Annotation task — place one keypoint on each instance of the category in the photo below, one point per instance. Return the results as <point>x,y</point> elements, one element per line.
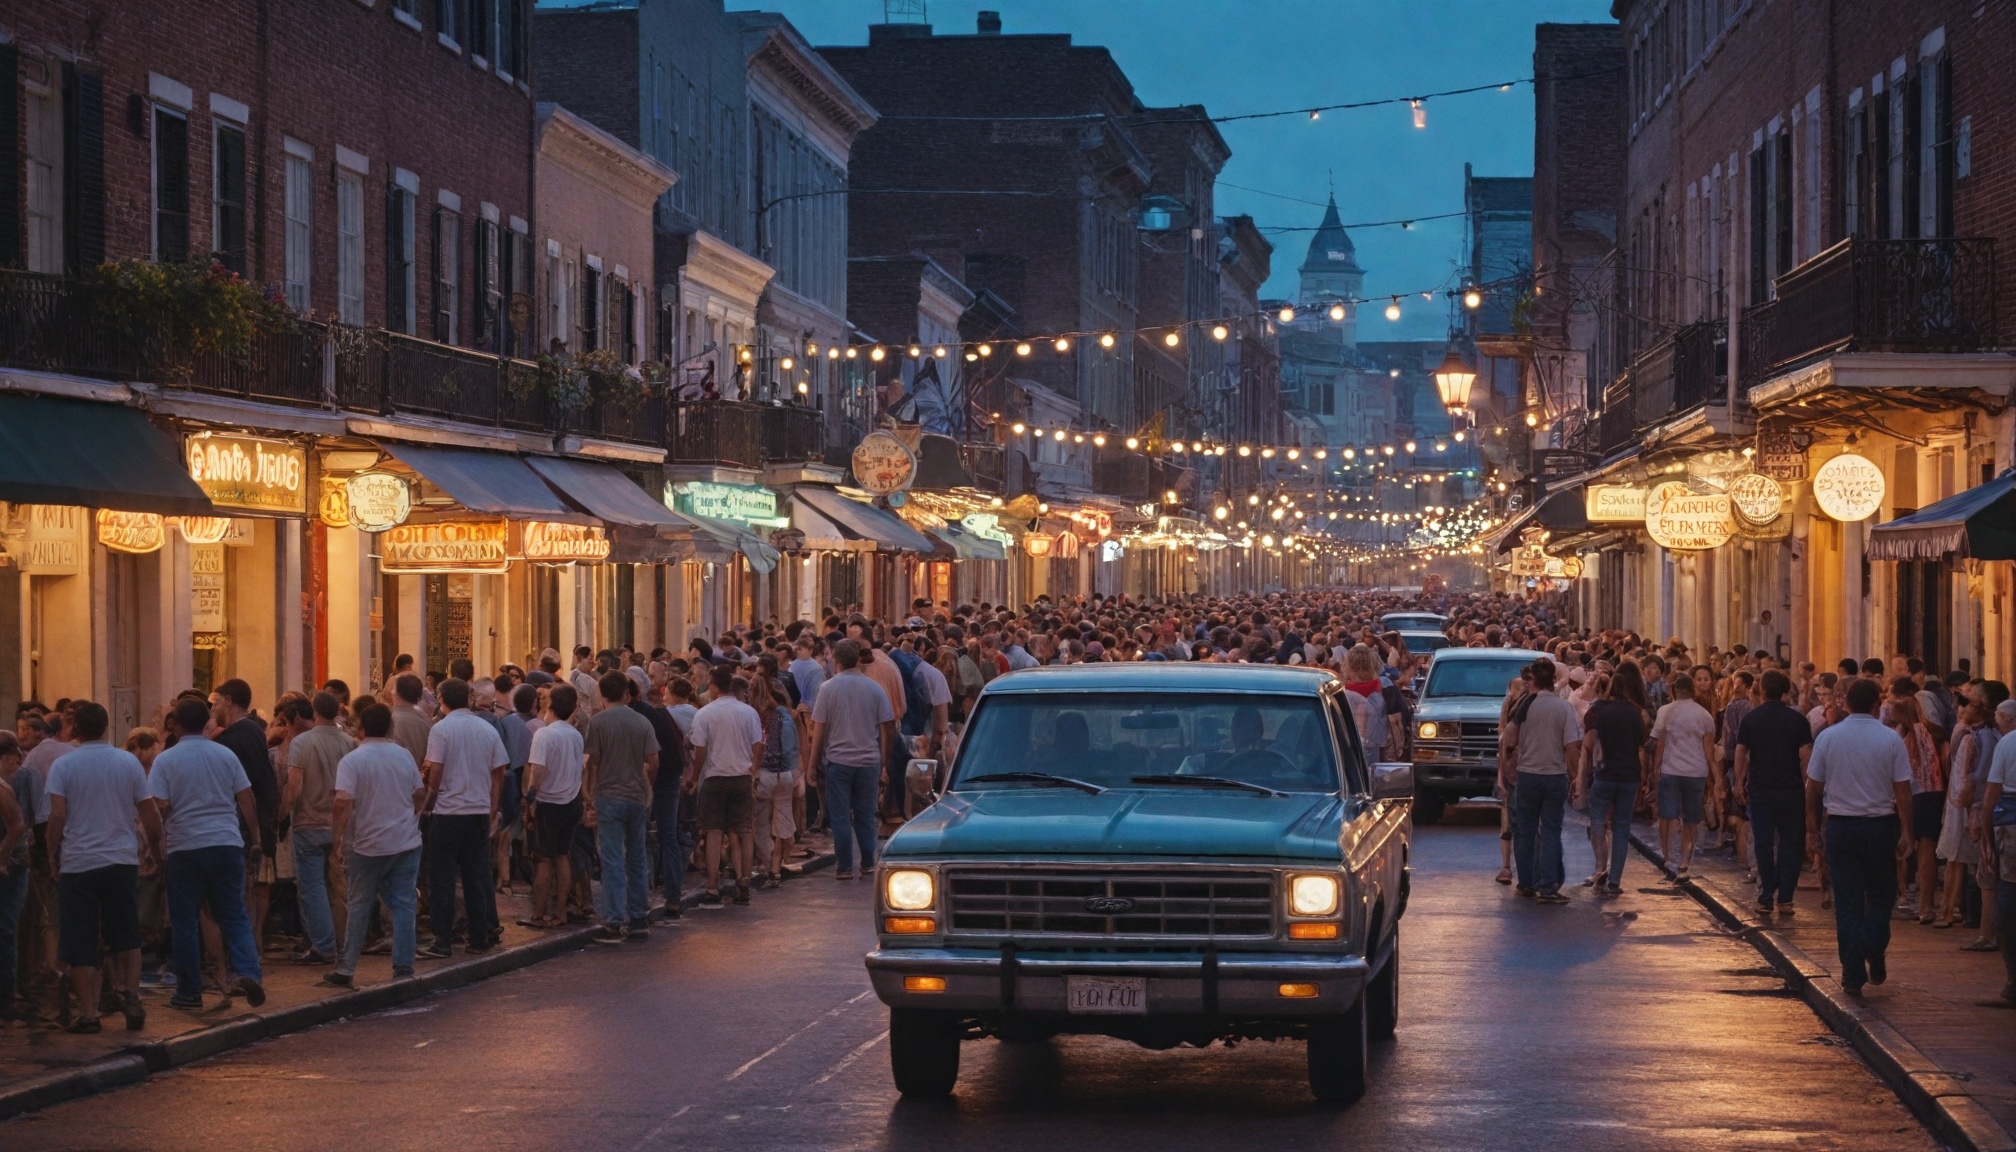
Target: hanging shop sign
<point>52,542</point>
<point>736,503</point>
<point>1557,568</point>
<point>131,531</point>
<point>1781,453</point>
<point>1096,520</point>
<point>787,540</point>
<point>1571,567</point>
<point>1778,529</point>
<point>883,463</point>
<point>987,526</point>
<point>206,587</point>
<point>1037,545</point>
<point>1614,504</point>
<point>448,546</point>
<point>204,530</point>
<point>1680,520</point>
<point>1556,465</point>
<point>377,501</point>
<point>332,502</point>
<point>1067,545</point>
<point>1757,498</point>
<point>250,473</point>
<point>1849,488</point>
<point>545,542</point>
<point>1529,560</point>
<point>1111,551</point>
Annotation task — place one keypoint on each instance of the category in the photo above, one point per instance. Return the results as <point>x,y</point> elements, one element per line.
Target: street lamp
<point>1453,380</point>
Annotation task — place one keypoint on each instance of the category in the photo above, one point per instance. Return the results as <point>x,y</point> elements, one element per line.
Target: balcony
<point>1933,295</point>
<point>728,433</point>
<point>1683,370</point>
<point>793,434</point>
<point>986,464</point>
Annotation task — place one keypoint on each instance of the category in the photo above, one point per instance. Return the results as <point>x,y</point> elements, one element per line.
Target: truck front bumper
<point>1449,772</point>
<point>1238,984</point>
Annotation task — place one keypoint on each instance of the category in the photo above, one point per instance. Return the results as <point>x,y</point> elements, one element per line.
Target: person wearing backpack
<point>773,826</point>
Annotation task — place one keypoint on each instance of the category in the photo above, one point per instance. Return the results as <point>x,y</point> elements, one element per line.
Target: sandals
<point>1943,922</point>
<point>1504,876</point>
<point>1980,944</point>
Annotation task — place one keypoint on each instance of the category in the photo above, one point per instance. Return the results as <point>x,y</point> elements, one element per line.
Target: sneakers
<point>1529,893</point>
<point>255,993</point>
<point>402,973</point>
<point>1786,908</point>
<point>710,900</point>
<point>1879,969</point>
<point>843,874</point>
<point>1613,890</point>
<point>1552,898</point>
<point>84,1026</point>
<point>1765,908</point>
<point>607,935</point>
<point>338,979</point>
<point>435,952</point>
<point>637,934</point>
<point>479,949</point>
<point>741,893</point>
<point>135,1012</point>
<point>186,1003</point>
<point>310,956</point>
<point>771,883</point>
<point>672,913</point>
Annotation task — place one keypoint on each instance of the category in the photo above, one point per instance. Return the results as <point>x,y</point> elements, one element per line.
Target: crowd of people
<point>335,823</point>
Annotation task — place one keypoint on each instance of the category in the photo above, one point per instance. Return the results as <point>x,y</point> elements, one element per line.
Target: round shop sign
<point>140,532</point>
<point>1849,488</point>
<point>1757,498</point>
<point>883,463</point>
<point>1683,521</point>
<point>378,501</point>
<point>204,529</point>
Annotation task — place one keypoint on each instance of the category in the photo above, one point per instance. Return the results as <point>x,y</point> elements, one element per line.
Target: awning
<point>858,521</point>
<point>1978,523</point>
<point>718,541</point>
<point>55,450</point>
<point>966,546</point>
<point>606,492</point>
<point>1561,512</point>
<point>497,483</point>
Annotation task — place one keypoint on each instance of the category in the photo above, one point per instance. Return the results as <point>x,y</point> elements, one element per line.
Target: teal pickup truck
<point>1165,853</point>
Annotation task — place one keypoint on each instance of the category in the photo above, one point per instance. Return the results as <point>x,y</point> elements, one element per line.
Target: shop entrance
<point>1922,629</point>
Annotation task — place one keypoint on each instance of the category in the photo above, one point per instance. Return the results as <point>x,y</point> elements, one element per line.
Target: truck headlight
<point>910,890</point>
<point>1427,730</point>
<point>1312,895</point>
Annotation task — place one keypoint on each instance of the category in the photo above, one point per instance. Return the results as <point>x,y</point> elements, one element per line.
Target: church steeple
<point>1330,272</point>
<point>1331,250</point>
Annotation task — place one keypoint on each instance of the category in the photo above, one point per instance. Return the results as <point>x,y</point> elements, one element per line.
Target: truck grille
<point>1089,904</point>
<point>1466,740</point>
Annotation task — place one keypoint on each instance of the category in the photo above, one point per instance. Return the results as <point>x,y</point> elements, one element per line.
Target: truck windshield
<point>1108,739</point>
<point>1472,677</point>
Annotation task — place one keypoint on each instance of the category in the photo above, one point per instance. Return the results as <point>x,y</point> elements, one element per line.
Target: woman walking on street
<point>1928,796</point>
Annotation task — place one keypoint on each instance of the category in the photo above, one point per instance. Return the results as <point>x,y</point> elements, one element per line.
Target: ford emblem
<point>1108,905</point>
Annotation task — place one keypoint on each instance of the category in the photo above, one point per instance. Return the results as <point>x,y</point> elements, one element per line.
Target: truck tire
<point>1428,805</point>
<point>1382,997</point>
<point>1337,1056</point>
<point>923,1051</point>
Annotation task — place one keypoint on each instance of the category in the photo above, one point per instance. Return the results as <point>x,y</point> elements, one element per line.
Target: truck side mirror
<point>1393,781</point>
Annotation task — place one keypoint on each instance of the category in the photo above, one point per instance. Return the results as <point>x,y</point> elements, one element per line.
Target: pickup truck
<point>1164,853</point>
<point>1456,724</point>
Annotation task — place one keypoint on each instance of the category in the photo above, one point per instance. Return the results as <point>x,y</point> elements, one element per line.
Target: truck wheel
<point>1428,805</point>
<point>1382,997</point>
<point>923,1051</point>
<point>1337,1056</point>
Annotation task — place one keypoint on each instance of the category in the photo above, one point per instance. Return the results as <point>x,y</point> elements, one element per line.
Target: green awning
<point>55,450</point>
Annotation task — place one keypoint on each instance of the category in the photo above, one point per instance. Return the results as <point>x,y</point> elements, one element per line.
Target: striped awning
<point>1979,523</point>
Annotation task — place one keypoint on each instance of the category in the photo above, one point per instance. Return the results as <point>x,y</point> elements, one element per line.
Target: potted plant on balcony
<point>163,319</point>
<point>564,381</point>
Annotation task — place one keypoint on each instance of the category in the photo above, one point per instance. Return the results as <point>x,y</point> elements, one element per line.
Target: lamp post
<point>1453,380</point>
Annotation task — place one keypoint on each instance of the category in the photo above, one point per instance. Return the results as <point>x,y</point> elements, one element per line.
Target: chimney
<point>990,23</point>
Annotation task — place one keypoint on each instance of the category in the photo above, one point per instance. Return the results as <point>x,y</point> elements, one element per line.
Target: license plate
<point>1107,995</point>
<point>1425,754</point>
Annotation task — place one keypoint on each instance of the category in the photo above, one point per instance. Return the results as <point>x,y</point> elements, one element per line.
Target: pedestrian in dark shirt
<point>665,797</point>
<point>1613,743</point>
<point>1773,742</point>
<point>245,736</point>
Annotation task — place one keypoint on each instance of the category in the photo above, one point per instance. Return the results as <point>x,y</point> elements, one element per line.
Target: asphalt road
<point>1634,1024</point>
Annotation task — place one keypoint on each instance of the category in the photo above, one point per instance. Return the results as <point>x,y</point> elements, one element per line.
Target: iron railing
<point>793,433</point>
<point>725,432</point>
<point>985,464</point>
<point>1617,422</point>
<point>1932,295</point>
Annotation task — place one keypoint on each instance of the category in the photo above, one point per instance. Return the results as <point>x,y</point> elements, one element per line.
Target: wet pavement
<point>1626,1024</point>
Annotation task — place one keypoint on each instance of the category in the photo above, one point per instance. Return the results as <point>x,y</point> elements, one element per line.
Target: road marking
<point>850,1058</point>
<point>779,1046</point>
<point>660,1129</point>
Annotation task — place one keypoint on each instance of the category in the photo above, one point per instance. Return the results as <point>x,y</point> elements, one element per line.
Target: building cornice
<point>592,154</point>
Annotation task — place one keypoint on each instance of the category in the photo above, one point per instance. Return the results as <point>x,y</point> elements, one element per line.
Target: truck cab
<point>1456,724</point>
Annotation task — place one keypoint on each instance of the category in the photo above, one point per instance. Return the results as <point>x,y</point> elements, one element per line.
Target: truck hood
<point>1138,823</point>
<point>1471,708</point>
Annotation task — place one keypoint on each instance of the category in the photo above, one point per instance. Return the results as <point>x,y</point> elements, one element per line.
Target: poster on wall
<point>206,588</point>
<point>53,540</point>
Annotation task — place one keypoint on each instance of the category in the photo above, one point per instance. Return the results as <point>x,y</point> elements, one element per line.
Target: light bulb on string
<point>1219,332</point>
<point>1420,113</point>
<point>1133,442</point>
<point>1171,339</point>
<point>915,352</point>
<point>971,356</point>
<point>1059,435</point>
<point>985,350</point>
<point>1105,340</point>
<point>1393,309</point>
<point>1018,428</point>
<point>876,354</point>
<point>1244,450</point>
<point>851,353</point>
<point>1062,344</point>
<point>786,363</point>
<point>832,353</point>
<point>1022,349</point>
<point>1336,311</point>
<point>938,353</point>
<point>1286,315</point>
<point>1472,299</point>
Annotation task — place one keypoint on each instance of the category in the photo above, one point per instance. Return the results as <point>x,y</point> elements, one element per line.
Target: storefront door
<point>1921,612</point>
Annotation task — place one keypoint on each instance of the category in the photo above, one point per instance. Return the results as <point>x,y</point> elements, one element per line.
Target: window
<point>447,275</point>
<point>227,197</point>
<point>517,317</point>
<point>1935,151</point>
<point>402,300</point>
<point>591,299</point>
<point>445,19</point>
<point>171,186</point>
<point>488,289</point>
<point>350,248</point>
<point>1781,204</point>
<point>1856,173</point>
<point>44,156</point>
<point>300,224</point>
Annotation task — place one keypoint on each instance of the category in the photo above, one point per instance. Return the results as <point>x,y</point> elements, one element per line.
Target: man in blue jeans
<point>1860,772</point>
<point>853,731</point>
<point>375,831</point>
<point>1773,742</point>
<point>308,798</point>
<point>209,824</point>
<point>1613,746</point>
<point>1545,742</point>
<point>620,765</point>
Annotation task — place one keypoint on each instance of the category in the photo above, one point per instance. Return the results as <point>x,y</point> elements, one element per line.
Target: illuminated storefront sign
<point>377,501</point>
<point>250,473</point>
<point>204,529</point>
<point>736,503</point>
<point>883,463</point>
<point>449,546</point>
<point>1680,520</point>
<point>1757,498</point>
<point>545,542</point>
<point>1849,488</point>
<point>206,588</point>
<point>131,531</point>
<point>52,541</point>
<point>1614,504</point>
<point>987,526</point>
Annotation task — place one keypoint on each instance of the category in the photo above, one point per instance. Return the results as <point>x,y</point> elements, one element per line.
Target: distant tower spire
<point>904,12</point>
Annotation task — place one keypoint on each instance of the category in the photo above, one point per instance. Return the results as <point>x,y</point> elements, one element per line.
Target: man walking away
<point>97,797</point>
<point>664,803</point>
<point>1859,768</point>
<point>1613,745</point>
<point>245,736</point>
<point>1773,744</point>
<point>1684,733</point>
<point>309,798</point>
<point>465,778</point>
<point>206,806</point>
<point>410,722</point>
<point>553,807</point>
<point>375,831</point>
<point>621,762</point>
<point>727,741</point>
<point>1547,747</point>
<point>853,727</point>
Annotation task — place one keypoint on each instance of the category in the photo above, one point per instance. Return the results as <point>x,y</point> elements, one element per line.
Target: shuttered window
<point>350,248</point>
<point>447,275</point>
<point>299,244</point>
<point>487,294</point>
<point>171,186</point>
<point>43,153</point>
<point>84,169</point>
<point>227,197</point>
<point>591,310</point>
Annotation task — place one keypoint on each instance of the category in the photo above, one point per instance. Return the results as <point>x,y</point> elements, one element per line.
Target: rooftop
<point>1164,676</point>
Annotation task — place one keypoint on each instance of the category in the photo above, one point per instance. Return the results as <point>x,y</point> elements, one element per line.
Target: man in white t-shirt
<point>209,824</point>
<point>465,783</point>
<point>553,806</point>
<point>375,831</point>
<point>1685,756</point>
<point>727,740</point>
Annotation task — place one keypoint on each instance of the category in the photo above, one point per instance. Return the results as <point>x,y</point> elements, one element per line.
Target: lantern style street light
<point>1453,380</point>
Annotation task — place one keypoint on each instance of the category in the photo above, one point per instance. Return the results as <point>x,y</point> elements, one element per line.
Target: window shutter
<point>84,170</point>
<point>171,188</point>
<point>1879,166</point>
<point>591,301</point>
<point>1947,151</point>
<point>486,281</point>
<point>10,156</point>
<point>1914,133</point>
<point>228,192</point>
<point>395,258</point>
<point>1783,199</point>
<point>444,250</point>
<point>1759,214</point>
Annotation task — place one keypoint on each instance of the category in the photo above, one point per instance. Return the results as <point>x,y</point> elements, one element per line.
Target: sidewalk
<point>42,1065</point>
<point>1923,1029</point>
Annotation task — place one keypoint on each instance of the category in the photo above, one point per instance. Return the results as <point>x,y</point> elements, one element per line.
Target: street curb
<point>1941,1101</point>
<point>137,1062</point>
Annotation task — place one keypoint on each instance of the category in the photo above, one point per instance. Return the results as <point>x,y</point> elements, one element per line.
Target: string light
<point>1393,309</point>
<point>834,353</point>
<point>786,363</point>
<point>1171,339</point>
<point>915,351</point>
<point>1219,332</point>
<point>1022,349</point>
<point>985,349</point>
<point>1420,113</point>
<point>1472,299</point>
<point>1105,340</point>
<point>1018,428</point>
<point>938,353</point>
<point>1063,344</point>
<point>1286,315</point>
<point>1336,311</point>
<point>1099,440</point>
<point>1133,443</point>
<point>851,353</point>
<point>876,354</point>
<point>972,356</point>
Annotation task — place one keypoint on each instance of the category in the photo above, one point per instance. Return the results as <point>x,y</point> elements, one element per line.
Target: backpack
<point>916,700</point>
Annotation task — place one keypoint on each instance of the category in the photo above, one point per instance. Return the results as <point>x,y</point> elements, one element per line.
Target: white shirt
<point>727,728</point>
<point>102,787</point>
<point>2002,767</point>
<point>1858,760</point>
<point>380,779</point>
<point>1679,729</point>
<point>589,691</point>
<point>557,750</point>
<point>467,747</point>
<point>199,779</point>
<point>935,686</point>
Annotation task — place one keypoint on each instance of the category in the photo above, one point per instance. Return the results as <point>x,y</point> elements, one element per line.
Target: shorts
<point>508,798</point>
<point>1928,812</point>
<point>553,828</point>
<point>726,803</point>
<point>101,902</point>
<point>1680,797</point>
